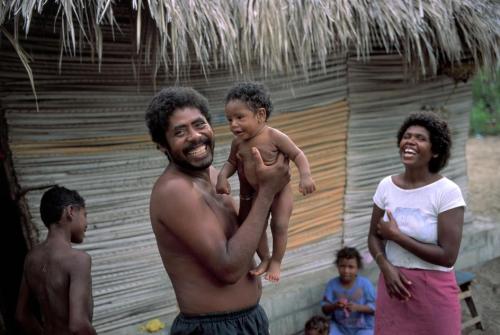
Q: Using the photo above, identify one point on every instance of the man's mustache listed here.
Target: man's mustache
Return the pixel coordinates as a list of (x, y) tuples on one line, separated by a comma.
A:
[(205, 141)]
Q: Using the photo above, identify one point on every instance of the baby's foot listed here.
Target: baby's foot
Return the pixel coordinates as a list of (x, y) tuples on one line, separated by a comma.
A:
[(273, 271), (261, 268)]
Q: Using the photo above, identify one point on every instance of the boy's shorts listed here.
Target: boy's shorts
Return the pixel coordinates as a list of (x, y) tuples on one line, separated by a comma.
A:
[(250, 321)]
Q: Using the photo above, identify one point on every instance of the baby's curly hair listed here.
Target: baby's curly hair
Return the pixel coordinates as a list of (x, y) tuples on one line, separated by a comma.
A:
[(254, 94), (439, 134)]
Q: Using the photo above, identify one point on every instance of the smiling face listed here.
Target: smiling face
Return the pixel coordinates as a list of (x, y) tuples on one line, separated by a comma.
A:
[(348, 269), (189, 139), (415, 147), (243, 122)]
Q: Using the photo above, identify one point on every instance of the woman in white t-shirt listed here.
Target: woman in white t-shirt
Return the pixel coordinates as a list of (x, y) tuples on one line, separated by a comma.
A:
[(415, 234)]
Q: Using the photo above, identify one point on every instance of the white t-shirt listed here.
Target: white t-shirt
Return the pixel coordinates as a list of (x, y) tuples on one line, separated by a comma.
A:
[(416, 212)]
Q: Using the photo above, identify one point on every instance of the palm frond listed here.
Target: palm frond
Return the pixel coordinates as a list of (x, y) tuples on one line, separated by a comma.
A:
[(279, 35)]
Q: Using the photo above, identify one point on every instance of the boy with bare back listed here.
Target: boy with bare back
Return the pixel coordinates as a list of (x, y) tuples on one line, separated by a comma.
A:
[(56, 289), (248, 107)]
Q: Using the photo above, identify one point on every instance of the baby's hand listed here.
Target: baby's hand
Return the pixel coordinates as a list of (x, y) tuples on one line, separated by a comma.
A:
[(306, 185), (222, 186)]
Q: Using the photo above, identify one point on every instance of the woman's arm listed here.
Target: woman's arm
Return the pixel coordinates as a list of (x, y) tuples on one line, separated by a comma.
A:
[(396, 283), (445, 253)]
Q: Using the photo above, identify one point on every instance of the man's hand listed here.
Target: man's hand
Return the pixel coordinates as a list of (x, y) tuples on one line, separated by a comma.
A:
[(388, 230), (271, 178)]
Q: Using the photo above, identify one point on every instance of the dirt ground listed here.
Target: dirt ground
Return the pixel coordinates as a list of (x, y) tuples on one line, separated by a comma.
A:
[(483, 158)]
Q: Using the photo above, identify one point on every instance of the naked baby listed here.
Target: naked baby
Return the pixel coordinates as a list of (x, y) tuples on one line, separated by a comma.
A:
[(247, 108)]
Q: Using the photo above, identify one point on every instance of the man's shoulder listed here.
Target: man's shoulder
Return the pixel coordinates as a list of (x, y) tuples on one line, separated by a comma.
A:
[(170, 182), (173, 192)]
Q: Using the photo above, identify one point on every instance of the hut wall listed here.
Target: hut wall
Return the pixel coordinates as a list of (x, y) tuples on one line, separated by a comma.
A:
[(90, 135)]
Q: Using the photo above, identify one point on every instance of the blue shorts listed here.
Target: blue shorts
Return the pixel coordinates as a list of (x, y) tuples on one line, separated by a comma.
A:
[(250, 321)]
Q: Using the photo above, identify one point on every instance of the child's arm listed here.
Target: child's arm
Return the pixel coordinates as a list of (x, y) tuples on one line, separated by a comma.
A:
[(223, 186), (80, 296), (360, 308), (286, 146), (369, 295), (328, 307), (229, 168)]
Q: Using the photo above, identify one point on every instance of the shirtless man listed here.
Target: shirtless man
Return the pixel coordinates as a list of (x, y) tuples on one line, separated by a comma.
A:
[(56, 289), (206, 250)]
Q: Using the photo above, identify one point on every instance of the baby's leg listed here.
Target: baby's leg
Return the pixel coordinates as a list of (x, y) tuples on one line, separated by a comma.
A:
[(263, 252), (281, 211)]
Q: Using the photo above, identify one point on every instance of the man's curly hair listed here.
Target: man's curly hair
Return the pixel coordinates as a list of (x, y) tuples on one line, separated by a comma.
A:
[(164, 104), (255, 95), (439, 134)]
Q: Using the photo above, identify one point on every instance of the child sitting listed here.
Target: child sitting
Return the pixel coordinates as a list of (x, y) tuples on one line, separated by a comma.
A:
[(349, 298), (248, 107)]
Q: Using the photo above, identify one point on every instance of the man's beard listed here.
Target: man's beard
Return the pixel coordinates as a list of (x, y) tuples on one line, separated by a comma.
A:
[(187, 165)]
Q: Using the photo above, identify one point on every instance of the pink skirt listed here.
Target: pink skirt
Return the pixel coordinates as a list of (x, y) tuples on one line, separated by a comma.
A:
[(433, 309)]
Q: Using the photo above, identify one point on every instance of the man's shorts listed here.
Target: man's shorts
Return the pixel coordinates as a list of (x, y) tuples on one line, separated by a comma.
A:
[(250, 321)]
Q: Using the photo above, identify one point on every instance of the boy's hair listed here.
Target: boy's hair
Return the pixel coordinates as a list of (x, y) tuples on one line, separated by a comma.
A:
[(349, 253), (255, 95), (55, 200), (319, 323), (164, 104), (439, 133)]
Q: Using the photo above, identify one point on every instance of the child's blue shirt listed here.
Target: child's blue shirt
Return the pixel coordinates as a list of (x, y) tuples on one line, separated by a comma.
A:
[(362, 292)]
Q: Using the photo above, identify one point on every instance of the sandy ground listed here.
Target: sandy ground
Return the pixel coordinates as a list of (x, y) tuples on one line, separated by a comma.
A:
[(483, 157)]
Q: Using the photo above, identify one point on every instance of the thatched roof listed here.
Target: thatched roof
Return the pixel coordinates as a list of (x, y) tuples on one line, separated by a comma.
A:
[(278, 35)]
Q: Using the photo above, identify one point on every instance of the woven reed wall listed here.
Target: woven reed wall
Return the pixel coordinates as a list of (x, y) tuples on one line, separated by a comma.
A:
[(90, 135)]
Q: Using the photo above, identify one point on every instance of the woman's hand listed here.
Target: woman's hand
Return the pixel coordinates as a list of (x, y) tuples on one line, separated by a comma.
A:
[(396, 283), (388, 230)]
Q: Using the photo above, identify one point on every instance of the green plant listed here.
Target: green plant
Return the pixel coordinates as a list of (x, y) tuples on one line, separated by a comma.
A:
[(485, 115)]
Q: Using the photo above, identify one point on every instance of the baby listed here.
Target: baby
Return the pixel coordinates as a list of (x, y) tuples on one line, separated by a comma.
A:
[(247, 108)]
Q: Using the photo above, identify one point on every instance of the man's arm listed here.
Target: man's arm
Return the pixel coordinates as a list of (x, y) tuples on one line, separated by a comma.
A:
[(24, 312), (80, 295), (193, 221)]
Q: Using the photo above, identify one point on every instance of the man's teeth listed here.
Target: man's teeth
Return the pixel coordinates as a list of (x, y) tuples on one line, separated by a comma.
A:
[(410, 151), (198, 151)]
